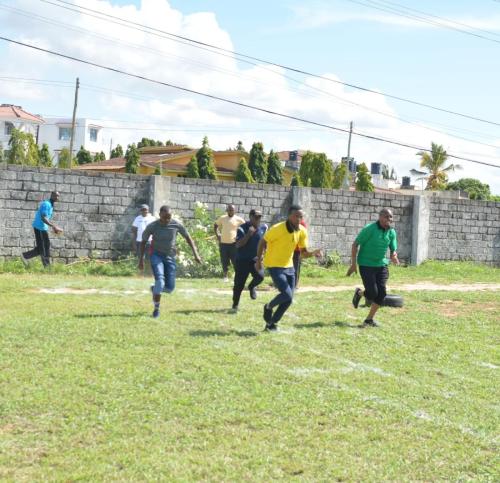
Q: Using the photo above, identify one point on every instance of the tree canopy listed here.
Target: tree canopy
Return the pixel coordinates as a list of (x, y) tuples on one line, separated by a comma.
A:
[(44, 157), (132, 157), (257, 162), (205, 158), (474, 187), (316, 170), (364, 179), (22, 148), (83, 156), (243, 173), (434, 162), (64, 159), (274, 169), (192, 168), (117, 152)]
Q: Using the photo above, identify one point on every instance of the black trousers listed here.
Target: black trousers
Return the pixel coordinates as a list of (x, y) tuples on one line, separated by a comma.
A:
[(297, 262), (227, 255), (374, 281), (42, 247), (242, 269)]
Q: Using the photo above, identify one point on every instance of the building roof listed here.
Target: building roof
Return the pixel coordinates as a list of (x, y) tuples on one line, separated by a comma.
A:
[(9, 111)]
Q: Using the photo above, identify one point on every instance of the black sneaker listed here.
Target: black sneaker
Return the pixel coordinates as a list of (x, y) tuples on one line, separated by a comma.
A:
[(358, 293), (253, 293), (156, 313), (271, 327), (234, 309), (24, 260), (371, 323), (268, 314)]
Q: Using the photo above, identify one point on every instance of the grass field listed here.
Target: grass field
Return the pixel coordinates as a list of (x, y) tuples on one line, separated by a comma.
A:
[(93, 389)]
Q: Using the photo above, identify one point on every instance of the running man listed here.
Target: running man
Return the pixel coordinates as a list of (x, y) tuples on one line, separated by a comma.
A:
[(41, 225), (164, 232), (228, 225), (247, 239), (373, 241), (275, 251)]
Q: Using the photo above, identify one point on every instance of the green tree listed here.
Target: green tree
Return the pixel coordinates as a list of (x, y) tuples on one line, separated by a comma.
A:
[(296, 181), (364, 179), (385, 171), (133, 158), (257, 163), (83, 156), (321, 173), (340, 173), (274, 169), (22, 148), (243, 173), (157, 171), (1, 153), (239, 147), (64, 159), (305, 168), (99, 157), (117, 152), (434, 161), (192, 168), (44, 157), (205, 158), (474, 187)]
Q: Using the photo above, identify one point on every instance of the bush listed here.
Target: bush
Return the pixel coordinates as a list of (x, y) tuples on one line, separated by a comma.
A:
[(201, 230)]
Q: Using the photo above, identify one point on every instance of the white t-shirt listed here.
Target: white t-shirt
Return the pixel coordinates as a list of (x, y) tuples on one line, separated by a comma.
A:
[(141, 222)]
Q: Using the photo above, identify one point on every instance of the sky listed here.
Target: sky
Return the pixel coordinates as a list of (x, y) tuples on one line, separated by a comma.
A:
[(449, 61)]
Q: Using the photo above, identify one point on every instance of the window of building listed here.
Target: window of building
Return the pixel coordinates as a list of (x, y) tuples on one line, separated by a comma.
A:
[(8, 128), (93, 134), (64, 133)]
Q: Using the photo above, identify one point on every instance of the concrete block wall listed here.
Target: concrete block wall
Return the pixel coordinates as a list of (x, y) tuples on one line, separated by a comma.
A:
[(95, 211), (464, 230)]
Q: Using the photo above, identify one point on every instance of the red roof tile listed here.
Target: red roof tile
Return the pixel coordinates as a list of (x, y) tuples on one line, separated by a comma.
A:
[(9, 111)]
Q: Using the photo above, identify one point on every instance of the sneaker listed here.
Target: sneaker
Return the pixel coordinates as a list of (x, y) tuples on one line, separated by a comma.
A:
[(358, 293), (271, 327), (234, 309), (371, 323), (268, 314), (156, 313), (226, 279), (24, 260), (253, 293)]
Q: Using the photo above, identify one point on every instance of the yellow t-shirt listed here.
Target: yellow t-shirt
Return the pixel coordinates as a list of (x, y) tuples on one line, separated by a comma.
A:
[(281, 245), (228, 227)]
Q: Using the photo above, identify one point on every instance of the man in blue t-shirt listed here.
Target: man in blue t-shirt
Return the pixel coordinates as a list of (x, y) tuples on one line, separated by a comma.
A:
[(41, 225), (247, 239)]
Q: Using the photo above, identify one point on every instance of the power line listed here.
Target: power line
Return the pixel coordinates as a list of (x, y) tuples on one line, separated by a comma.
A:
[(419, 18), (244, 58), (236, 103)]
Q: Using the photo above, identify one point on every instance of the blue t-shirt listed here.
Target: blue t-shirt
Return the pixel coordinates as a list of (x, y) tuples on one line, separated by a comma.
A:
[(46, 209), (249, 250)]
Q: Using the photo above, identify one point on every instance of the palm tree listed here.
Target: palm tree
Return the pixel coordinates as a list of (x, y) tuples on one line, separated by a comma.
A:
[(434, 162)]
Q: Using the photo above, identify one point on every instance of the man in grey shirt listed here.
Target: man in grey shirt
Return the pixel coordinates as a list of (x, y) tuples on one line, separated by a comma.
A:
[(164, 233)]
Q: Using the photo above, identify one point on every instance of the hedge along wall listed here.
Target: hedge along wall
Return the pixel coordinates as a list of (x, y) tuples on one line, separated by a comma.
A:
[(97, 210)]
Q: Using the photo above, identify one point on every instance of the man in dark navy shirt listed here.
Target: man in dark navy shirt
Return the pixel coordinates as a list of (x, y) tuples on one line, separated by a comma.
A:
[(247, 239)]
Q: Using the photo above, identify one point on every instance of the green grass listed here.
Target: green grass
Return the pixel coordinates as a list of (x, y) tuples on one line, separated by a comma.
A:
[(92, 388)]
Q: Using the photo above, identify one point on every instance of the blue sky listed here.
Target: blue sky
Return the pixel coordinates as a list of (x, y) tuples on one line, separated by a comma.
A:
[(337, 38)]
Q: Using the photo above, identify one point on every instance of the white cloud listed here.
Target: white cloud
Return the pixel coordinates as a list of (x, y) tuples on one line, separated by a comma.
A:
[(150, 105)]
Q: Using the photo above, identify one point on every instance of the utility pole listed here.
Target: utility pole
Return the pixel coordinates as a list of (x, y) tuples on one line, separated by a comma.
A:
[(349, 143), (73, 123), (110, 147)]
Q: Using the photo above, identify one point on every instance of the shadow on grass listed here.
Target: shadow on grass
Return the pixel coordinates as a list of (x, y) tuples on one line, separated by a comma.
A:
[(127, 315), (222, 333), (318, 325), (199, 311)]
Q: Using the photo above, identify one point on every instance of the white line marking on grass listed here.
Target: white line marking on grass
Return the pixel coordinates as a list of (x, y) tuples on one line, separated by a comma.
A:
[(489, 365)]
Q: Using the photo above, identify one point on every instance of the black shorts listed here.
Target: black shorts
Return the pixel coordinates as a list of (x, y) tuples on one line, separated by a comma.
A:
[(374, 281)]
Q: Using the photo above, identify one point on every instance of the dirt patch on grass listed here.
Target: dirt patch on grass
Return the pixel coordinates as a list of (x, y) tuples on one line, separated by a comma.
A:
[(455, 308)]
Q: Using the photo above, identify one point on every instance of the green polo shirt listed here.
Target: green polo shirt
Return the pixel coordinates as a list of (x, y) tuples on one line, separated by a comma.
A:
[(374, 242)]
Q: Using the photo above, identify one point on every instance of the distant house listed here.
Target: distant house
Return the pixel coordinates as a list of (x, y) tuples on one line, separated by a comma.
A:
[(15, 117), (291, 159), (173, 161), (56, 133)]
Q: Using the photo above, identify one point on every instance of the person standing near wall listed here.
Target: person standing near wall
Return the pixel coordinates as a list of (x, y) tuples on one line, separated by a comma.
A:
[(275, 251), (369, 251), (164, 233), (41, 225), (247, 239), (138, 226), (225, 229)]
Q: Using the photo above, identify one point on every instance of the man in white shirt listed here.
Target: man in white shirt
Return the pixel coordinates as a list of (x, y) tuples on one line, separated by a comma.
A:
[(138, 226)]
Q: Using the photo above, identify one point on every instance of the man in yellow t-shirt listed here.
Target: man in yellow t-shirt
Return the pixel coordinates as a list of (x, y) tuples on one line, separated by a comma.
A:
[(275, 251), (225, 229)]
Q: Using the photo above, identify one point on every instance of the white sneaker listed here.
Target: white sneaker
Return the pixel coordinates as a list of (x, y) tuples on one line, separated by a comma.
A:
[(226, 279)]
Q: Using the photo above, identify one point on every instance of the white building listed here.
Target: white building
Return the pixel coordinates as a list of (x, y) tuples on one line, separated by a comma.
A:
[(14, 117), (56, 133)]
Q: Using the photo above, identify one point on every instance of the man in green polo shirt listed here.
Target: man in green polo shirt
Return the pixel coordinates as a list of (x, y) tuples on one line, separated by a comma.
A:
[(370, 250)]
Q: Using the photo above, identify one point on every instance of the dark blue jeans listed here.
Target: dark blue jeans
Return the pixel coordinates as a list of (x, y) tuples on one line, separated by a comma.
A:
[(284, 281), (164, 269)]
